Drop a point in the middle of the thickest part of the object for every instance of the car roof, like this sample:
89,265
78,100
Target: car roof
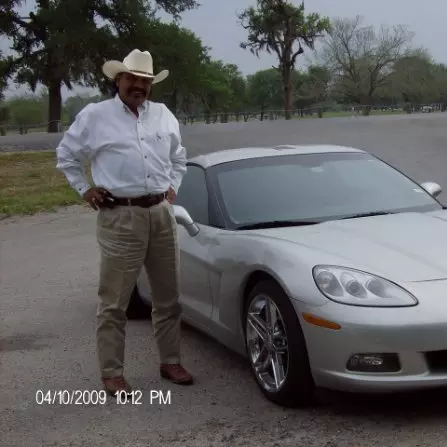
228,155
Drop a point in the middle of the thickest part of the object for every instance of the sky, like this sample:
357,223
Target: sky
216,23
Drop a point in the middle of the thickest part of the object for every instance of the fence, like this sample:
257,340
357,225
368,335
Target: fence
310,112
8,129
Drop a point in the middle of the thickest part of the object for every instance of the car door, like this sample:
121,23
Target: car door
196,296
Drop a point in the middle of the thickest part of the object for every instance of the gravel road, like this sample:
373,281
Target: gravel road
48,273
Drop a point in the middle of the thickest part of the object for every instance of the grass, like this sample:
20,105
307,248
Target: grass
30,183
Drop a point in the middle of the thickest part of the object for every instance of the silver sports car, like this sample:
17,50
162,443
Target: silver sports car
324,265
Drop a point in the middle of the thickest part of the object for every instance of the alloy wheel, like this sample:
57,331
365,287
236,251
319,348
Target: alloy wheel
267,343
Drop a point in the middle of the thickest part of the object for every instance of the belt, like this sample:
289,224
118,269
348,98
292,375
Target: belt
142,201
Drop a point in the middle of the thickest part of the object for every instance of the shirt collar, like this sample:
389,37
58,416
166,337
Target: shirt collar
141,109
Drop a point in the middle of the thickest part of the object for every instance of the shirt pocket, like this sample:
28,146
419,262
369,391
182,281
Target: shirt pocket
161,142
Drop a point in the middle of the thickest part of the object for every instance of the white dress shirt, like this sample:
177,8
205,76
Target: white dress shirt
129,156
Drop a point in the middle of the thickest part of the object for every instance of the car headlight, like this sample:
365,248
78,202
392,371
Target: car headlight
356,288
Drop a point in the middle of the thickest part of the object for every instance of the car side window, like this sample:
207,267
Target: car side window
193,194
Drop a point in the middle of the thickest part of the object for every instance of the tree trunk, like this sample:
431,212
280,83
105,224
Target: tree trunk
288,91
55,106
368,106
207,115
367,110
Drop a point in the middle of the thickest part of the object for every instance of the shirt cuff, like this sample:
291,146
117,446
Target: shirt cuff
175,185
82,188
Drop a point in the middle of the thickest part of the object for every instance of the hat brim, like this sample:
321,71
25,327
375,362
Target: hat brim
113,68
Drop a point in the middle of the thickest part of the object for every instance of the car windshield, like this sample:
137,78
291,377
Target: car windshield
315,188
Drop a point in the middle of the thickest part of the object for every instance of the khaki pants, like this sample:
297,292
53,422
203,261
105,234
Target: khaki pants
130,238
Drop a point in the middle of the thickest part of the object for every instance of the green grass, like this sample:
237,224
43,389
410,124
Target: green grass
30,183
30,130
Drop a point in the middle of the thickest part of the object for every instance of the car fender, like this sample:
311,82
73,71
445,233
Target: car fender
238,257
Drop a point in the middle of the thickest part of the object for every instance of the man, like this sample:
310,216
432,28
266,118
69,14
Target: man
137,163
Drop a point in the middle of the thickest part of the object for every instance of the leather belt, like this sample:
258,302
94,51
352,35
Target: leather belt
142,201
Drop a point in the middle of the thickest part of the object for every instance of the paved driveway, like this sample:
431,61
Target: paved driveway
48,273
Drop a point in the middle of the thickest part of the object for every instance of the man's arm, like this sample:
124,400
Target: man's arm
178,155
72,154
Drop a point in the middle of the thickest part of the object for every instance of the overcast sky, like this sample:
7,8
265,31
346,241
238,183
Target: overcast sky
215,22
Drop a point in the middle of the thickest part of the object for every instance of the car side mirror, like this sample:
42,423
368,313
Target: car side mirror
432,188
183,218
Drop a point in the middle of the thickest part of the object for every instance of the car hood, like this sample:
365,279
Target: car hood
404,247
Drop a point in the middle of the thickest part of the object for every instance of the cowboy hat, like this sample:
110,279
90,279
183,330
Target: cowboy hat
138,63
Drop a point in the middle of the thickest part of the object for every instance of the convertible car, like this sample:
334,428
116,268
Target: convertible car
323,265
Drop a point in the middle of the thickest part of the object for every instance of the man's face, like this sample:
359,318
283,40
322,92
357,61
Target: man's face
133,90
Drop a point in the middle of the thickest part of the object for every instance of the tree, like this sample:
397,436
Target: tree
4,68
280,27
61,43
26,111
237,86
219,87
413,79
181,52
317,83
74,104
362,59
440,84
264,90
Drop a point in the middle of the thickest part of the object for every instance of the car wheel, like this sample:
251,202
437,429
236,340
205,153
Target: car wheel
138,309
276,347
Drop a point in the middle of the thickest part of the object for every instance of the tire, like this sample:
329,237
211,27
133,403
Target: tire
298,387
138,309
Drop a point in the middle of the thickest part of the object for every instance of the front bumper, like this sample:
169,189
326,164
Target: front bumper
417,335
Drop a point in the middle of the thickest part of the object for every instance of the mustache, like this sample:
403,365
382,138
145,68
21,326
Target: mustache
136,90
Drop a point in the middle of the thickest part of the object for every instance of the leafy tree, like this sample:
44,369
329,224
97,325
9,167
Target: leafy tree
60,43
26,111
413,78
175,7
4,68
74,104
440,84
362,59
264,90
181,52
280,27
318,83
219,83
237,87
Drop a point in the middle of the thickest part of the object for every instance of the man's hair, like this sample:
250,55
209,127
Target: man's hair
113,89
108,87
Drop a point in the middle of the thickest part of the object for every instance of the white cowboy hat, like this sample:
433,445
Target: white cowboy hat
137,62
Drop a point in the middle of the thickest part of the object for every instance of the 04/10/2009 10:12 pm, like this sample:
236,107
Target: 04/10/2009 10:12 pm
101,397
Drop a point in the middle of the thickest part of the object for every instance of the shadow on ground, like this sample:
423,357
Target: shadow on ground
399,406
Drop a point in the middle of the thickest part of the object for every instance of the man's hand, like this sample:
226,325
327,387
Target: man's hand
171,195
95,197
